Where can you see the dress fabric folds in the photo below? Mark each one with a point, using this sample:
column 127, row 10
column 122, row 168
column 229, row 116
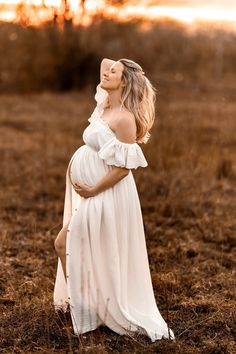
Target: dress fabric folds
column 108, row 280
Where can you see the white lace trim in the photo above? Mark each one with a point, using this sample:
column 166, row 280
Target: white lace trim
column 120, row 154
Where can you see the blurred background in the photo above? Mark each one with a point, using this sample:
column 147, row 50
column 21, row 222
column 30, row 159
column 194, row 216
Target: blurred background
column 51, row 52
column 60, row 43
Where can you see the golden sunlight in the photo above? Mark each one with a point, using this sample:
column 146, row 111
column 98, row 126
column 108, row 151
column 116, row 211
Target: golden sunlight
column 82, row 11
column 184, row 14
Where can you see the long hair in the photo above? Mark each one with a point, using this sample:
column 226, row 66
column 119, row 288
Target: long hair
column 139, row 97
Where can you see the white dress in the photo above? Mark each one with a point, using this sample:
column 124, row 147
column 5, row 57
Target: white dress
column 108, row 275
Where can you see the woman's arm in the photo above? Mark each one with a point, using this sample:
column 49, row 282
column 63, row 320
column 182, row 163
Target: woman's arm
column 108, row 181
column 105, row 65
column 111, row 178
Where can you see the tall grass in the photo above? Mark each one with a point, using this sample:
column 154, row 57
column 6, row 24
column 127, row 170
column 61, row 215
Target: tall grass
column 187, row 192
column 36, row 59
column 187, row 195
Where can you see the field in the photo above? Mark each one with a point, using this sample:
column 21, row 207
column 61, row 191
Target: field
column 188, row 198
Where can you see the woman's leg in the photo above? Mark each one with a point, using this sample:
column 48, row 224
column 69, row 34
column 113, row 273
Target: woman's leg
column 60, row 247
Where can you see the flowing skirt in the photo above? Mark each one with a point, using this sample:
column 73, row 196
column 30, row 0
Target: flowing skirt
column 108, row 278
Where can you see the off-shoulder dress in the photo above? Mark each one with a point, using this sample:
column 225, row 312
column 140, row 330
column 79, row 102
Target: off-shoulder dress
column 108, row 280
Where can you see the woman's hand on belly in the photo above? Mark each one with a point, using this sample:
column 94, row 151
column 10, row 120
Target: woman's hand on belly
column 108, row 181
column 84, row 190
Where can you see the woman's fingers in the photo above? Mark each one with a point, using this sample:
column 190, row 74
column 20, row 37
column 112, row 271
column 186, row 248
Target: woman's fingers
column 78, row 188
column 82, row 189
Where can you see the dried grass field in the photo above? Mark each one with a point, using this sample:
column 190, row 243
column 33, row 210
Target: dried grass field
column 188, row 199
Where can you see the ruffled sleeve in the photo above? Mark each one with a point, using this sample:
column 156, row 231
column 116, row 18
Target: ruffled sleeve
column 100, row 97
column 120, row 154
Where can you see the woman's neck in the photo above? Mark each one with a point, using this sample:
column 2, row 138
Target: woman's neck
column 114, row 99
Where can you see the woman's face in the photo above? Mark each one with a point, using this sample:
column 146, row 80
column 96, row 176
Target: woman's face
column 112, row 77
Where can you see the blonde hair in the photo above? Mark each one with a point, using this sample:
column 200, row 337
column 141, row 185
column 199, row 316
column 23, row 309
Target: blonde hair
column 138, row 96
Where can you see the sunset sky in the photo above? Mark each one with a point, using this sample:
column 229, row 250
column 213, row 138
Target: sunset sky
column 223, row 4
column 188, row 11
column 213, row 3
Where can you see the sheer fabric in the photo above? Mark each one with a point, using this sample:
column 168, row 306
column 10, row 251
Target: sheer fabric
column 108, row 278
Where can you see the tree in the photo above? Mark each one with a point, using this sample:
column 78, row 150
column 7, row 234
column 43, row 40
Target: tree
column 66, row 9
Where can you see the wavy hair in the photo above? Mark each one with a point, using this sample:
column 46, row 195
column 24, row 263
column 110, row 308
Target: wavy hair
column 138, row 96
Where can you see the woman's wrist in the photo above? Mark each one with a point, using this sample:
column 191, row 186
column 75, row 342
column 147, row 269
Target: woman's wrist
column 113, row 177
column 95, row 190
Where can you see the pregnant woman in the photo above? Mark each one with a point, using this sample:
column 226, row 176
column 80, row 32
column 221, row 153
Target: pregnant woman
column 103, row 275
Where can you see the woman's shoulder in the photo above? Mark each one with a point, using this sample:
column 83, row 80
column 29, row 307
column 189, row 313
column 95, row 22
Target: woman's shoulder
column 126, row 126
column 126, row 119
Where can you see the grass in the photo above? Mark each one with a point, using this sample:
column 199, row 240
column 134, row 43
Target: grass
column 39, row 59
column 187, row 195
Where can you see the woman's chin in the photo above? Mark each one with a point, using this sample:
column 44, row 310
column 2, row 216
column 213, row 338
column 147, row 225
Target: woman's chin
column 104, row 86
column 105, row 83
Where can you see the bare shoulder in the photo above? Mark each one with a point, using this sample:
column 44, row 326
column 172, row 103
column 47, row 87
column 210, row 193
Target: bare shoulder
column 126, row 127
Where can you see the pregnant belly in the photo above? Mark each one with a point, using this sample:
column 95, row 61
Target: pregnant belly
column 87, row 167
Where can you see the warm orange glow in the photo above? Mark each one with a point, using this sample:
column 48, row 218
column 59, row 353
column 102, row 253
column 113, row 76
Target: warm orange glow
column 40, row 11
column 187, row 15
column 183, row 14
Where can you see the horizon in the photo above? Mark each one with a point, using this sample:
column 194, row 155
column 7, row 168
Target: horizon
column 185, row 11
